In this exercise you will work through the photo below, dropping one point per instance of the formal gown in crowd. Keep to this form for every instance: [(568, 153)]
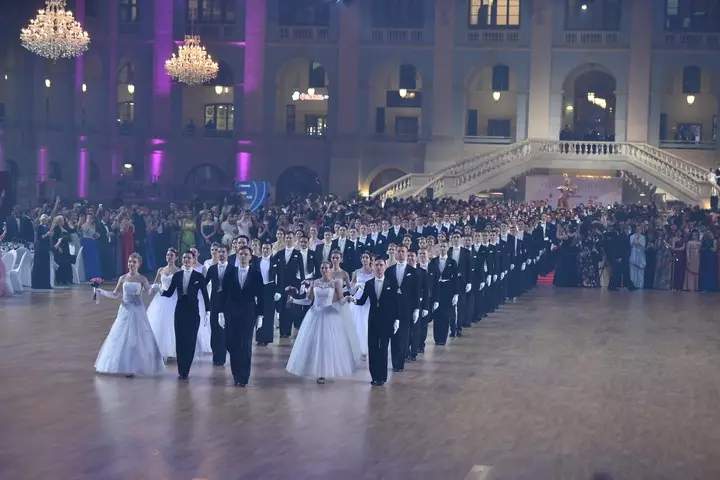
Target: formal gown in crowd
[(161, 315), (650, 262), (326, 345), (360, 312), (130, 347), (708, 268), (565, 264), (587, 260), (637, 259), (692, 265), (663, 265), (679, 263), (40, 276), (6, 289), (90, 253), (63, 258), (127, 242), (187, 238)]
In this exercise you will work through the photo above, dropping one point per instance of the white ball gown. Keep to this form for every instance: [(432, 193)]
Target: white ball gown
[(161, 314), (326, 345), (361, 312), (202, 348), (130, 347)]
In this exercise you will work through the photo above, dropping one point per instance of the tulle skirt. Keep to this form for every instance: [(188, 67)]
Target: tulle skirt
[(130, 347), (360, 321), (326, 345), (161, 315), (202, 347), (6, 289)]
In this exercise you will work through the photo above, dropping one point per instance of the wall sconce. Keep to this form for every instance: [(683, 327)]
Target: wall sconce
[(311, 91), (131, 89), (403, 92), (6, 76), (496, 96), (128, 166), (218, 89), (84, 88), (690, 99), (591, 97), (48, 84), (569, 108)]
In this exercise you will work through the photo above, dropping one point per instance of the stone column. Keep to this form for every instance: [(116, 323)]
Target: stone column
[(443, 82), (555, 115), (540, 112), (110, 168), (253, 104), (638, 94), (521, 122), (622, 117), (653, 128), (162, 98)]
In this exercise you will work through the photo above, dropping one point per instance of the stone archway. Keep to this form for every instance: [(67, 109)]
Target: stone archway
[(383, 177), (589, 106)]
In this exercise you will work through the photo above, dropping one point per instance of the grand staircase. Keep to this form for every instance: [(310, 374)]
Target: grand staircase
[(682, 179)]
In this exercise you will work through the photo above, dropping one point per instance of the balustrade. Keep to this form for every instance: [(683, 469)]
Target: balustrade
[(397, 35), (303, 33), (692, 40), (493, 37), (591, 39)]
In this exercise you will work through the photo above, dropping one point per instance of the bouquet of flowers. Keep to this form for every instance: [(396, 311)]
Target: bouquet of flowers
[(96, 282)]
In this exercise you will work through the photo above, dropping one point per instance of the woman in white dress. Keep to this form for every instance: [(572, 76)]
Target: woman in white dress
[(161, 311), (325, 347), (202, 347), (361, 312), (130, 347)]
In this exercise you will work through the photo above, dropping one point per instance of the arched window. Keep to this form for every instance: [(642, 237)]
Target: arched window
[(691, 80), (55, 172), (207, 176), (408, 76), (500, 78)]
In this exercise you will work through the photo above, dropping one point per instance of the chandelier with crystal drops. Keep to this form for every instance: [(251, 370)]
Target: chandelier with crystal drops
[(55, 33), (192, 65)]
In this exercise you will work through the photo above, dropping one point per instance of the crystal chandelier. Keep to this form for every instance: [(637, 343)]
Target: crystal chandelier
[(54, 33), (192, 65)]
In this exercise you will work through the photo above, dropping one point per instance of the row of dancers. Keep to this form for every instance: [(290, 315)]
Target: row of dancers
[(340, 318)]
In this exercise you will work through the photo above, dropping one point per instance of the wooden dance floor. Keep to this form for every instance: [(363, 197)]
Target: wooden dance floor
[(560, 385)]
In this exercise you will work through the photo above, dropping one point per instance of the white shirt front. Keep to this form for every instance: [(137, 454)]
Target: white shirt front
[(288, 254), (424, 266), (306, 267), (378, 286), (221, 274), (242, 275), (341, 244), (326, 251), (186, 278), (265, 269), (400, 271), (441, 263), (456, 254)]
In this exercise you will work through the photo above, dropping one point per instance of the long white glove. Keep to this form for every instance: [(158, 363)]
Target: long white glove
[(502, 275), (259, 322), (435, 306), (454, 300), (303, 289), (221, 320), (482, 285), (529, 260), (512, 266), (207, 319), (489, 279), (396, 326), (495, 278), (424, 313), (104, 293), (416, 315), (277, 297), (468, 287), (154, 288), (522, 267)]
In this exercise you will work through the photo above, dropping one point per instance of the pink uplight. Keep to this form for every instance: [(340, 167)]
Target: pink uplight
[(242, 166), (156, 165), (82, 173), (157, 141), (244, 142), (42, 164)]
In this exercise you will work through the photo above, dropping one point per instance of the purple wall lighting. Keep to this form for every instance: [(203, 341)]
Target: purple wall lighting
[(156, 165), (163, 45), (242, 166), (83, 173), (42, 164)]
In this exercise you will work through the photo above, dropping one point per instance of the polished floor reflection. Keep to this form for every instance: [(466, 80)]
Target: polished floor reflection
[(559, 385)]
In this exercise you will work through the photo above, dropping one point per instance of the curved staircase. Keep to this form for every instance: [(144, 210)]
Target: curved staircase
[(680, 178)]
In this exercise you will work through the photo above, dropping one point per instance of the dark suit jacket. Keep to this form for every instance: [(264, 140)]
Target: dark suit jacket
[(24, 233), (288, 273), (216, 299), (318, 257), (243, 303), (383, 310), (445, 284), (396, 238), (464, 265), (410, 297), (189, 298), (348, 254), (378, 246)]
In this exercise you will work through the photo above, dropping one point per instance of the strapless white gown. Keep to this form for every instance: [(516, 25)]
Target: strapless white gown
[(361, 312), (161, 314), (202, 347), (326, 345), (130, 347)]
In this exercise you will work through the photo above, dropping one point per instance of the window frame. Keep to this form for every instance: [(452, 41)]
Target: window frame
[(229, 125), (321, 131), (320, 14), (196, 13), (602, 28), (402, 17), (130, 111), (130, 8), (493, 25)]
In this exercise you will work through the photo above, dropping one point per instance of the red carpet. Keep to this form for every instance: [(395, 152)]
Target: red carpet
[(546, 280)]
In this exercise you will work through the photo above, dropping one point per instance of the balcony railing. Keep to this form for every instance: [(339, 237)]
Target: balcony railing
[(692, 40), (396, 137), (397, 35), (211, 31), (304, 34), (493, 37), (686, 145), (484, 139), (591, 39)]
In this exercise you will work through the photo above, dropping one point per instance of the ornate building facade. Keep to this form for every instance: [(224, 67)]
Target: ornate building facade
[(345, 96)]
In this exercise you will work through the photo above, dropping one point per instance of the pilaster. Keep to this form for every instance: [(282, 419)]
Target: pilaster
[(637, 100), (539, 107), (443, 55)]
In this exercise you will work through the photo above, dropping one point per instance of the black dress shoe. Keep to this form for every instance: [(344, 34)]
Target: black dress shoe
[(262, 344), (218, 364), (459, 334), (374, 383), (182, 377), (398, 370), (412, 359), (452, 335), (421, 350), (440, 343), (239, 385), (284, 336)]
